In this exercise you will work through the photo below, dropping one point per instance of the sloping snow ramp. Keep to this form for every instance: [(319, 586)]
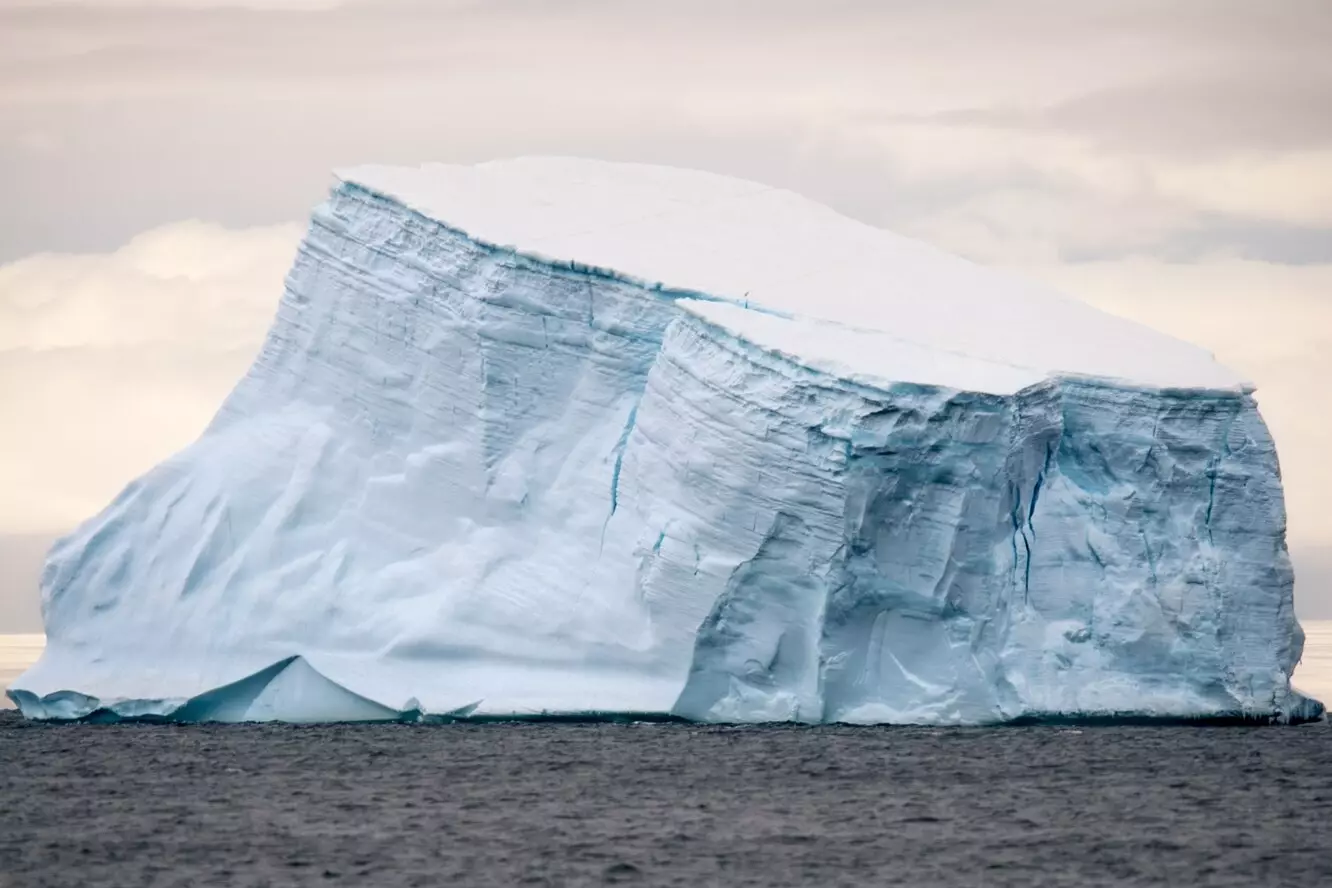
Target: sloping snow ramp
[(560, 436)]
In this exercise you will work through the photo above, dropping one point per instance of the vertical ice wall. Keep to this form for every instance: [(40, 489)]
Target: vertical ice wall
[(917, 554)]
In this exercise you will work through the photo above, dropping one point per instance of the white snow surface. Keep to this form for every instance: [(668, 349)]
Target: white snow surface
[(744, 241), (565, 436)]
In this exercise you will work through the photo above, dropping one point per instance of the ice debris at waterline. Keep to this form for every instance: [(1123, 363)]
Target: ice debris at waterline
[(563, 436)]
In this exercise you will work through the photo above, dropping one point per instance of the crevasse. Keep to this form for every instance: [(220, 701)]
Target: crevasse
[(817, 473)]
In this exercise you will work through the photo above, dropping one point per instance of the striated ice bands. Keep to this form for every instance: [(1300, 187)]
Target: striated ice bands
[(551, 436)]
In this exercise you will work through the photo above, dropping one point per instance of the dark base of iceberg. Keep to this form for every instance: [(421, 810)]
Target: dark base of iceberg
[(294, 692), (1305, 715)]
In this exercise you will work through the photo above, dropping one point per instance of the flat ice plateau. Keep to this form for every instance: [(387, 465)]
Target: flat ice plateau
[(555, 436)]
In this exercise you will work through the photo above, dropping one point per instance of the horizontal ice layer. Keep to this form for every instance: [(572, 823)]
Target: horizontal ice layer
[(463, 479)]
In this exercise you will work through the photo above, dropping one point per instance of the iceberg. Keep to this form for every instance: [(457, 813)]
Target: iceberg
[(558, 437)]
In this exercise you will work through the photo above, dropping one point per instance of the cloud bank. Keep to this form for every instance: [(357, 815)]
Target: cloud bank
[(109, 363)]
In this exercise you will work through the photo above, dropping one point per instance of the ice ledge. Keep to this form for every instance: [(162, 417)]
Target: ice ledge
[(880, 360), (291, 691)]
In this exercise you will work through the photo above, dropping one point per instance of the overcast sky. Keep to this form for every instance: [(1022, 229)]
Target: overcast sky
[(1167, 161)]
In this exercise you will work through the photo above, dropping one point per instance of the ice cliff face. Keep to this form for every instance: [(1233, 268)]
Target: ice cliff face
[(817, 473)]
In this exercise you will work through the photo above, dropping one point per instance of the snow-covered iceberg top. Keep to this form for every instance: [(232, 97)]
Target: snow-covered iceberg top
[(757, 245), (560, 436)]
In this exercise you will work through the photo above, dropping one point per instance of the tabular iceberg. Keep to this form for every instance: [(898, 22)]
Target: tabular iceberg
[(563, 436)]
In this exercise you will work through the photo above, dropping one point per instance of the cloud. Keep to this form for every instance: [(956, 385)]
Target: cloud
[(1019, 131), (284, 5), (190, 284), (1290, 187), (1252, 110), (21, 560), (1178, 114), (1209, 235), (111, 362), (1006, 194)]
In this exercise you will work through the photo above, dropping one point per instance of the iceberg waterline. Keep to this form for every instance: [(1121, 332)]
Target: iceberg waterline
[(625, 466)]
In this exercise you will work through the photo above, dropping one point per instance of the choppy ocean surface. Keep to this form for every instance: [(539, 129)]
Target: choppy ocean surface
[(664, 804)]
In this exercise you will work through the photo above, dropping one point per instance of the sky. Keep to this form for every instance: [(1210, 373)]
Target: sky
[(1170, 162)]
